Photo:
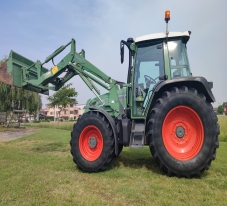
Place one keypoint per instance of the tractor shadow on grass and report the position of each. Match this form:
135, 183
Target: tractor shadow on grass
138, 159
135, 159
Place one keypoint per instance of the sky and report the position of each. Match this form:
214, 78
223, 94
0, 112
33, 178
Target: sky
35, 29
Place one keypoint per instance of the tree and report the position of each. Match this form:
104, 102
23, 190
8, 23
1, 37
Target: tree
62, 98
18, 98
220, 109
34, 104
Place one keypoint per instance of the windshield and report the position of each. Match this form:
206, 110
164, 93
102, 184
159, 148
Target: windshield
149, 65
179, 65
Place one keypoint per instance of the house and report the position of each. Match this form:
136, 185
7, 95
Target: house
225, 107
72, 111
80, 109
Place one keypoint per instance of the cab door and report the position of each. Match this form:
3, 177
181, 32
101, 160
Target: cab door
149, 66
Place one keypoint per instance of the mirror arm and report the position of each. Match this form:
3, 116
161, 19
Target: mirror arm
129, 66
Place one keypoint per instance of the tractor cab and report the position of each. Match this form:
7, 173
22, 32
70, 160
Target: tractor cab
157, 58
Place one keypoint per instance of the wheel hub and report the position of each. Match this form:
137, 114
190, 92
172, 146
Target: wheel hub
92, 142
180, 132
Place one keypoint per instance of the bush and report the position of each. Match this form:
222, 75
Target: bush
46, 119
64, 118
71, 119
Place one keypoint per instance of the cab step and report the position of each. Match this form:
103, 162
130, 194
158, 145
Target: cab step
137, 135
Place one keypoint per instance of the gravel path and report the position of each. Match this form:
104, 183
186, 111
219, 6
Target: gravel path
11, 135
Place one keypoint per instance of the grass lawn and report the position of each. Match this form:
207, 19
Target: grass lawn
54, 125
38, 170
222, 120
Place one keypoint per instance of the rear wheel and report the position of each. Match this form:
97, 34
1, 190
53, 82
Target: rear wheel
183, 132
92, 143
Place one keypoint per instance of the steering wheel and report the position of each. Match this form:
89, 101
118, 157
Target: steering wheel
149, 80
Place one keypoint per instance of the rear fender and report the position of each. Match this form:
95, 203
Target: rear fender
199, 83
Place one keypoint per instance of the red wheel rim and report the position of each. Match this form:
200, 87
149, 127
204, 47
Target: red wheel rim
91, 143
182, 133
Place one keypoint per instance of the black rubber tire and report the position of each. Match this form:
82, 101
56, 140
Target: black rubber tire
189, 97
120, 148
98, 120
70, 142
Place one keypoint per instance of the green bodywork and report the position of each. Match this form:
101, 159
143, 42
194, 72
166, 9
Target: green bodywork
141, 105
121, 95
22, 72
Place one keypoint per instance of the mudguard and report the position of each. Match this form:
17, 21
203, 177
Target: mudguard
111, 121
199, 83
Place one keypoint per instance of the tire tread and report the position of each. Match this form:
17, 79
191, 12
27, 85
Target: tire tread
150, 132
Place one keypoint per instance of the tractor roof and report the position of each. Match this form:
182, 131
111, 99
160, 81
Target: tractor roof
161, 36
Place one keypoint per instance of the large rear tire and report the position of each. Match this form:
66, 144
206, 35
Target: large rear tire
183, 132
92, 142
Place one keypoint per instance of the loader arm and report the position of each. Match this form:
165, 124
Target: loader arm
22, 72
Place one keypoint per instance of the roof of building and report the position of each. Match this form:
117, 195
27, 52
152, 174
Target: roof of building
161, 36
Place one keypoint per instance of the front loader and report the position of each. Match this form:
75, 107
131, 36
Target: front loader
161, 104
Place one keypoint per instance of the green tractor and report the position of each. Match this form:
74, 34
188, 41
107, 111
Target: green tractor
161, 105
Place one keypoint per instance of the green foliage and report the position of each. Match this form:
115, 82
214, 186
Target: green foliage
17, 98
64, 118
35, 103
63, 97
220, 109
46, 118
222, 120
36, 121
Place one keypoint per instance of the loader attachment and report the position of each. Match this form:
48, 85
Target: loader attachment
22, 72
11, 72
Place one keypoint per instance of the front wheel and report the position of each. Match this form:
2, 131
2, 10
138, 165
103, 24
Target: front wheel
183, 132
92, 143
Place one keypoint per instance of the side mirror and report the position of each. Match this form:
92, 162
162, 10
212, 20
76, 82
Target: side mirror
122, 52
